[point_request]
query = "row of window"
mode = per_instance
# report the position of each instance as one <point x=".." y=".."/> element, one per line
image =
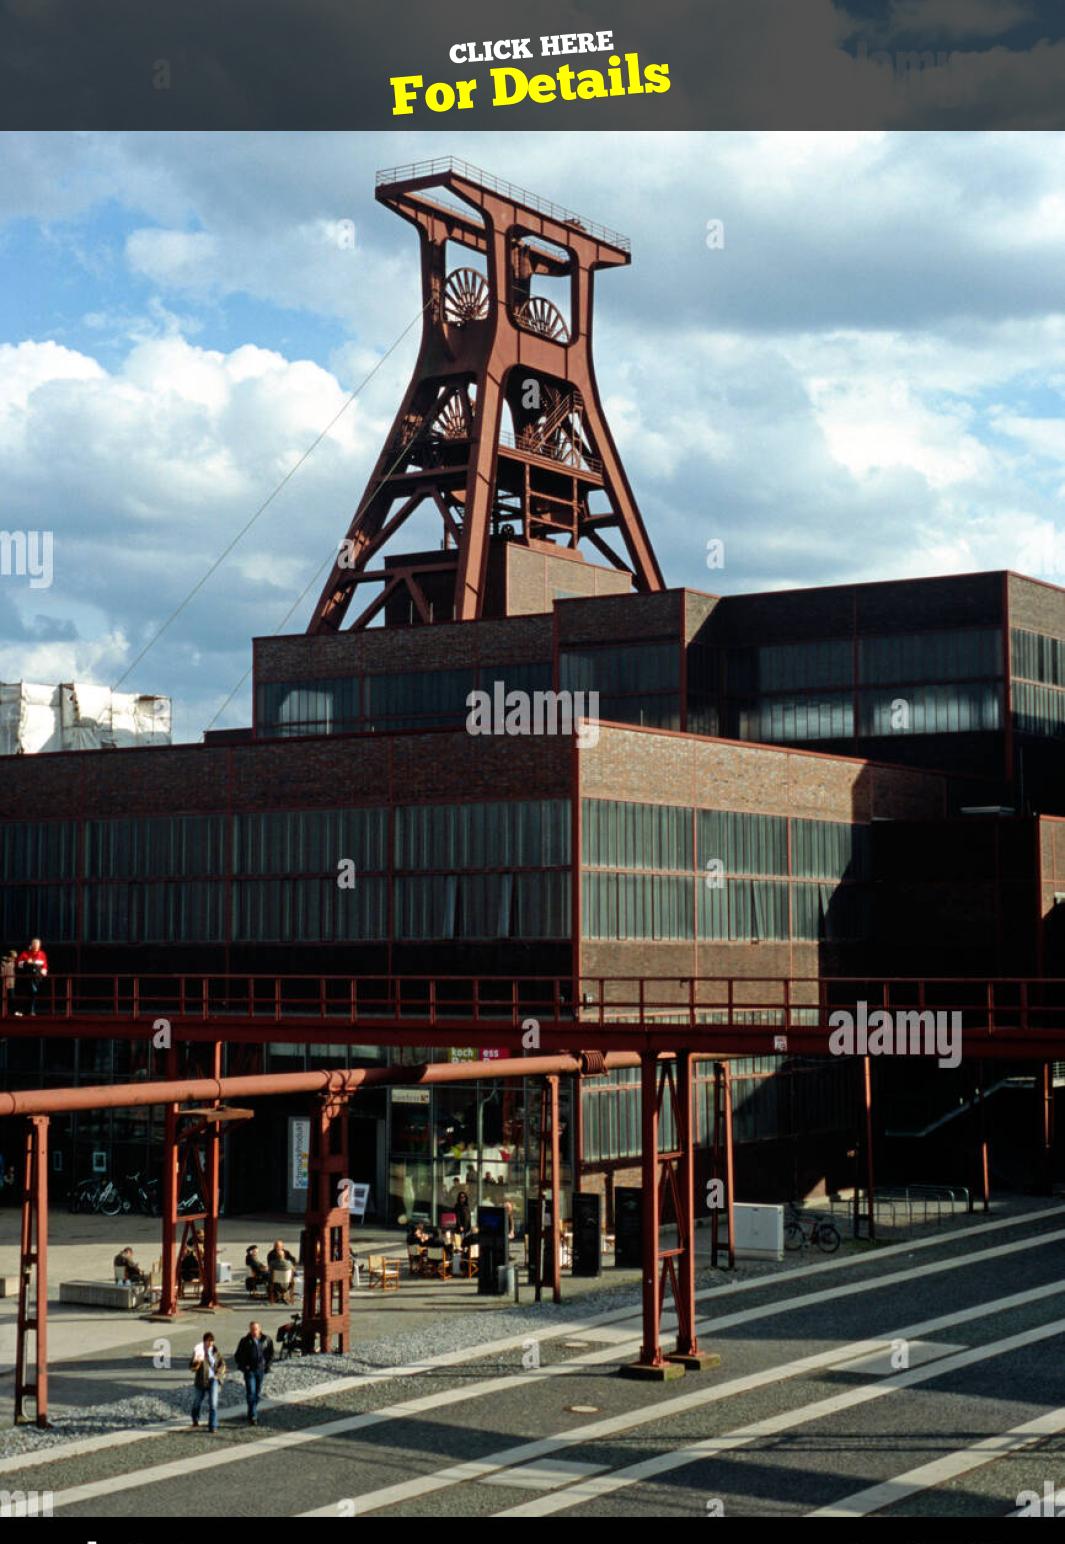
<point x="1039" y="710"/>
<point x="941" y="655"/>
<point x="941" y="709"/>
<point x="514" y="834"/>
<point x="672" y="837"/>
<point x="1036" y="657"/>
<point x="630" y="679"/>
<point x="410" y="699"/>
<point x="473" y="906"/>
<point x="675" y="907"/>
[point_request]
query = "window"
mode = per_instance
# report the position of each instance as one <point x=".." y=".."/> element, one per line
<point x="783" y="720"/>
<point x="328" y="706"/>
<point x="622" y="671"/>
<point x="652" y="836"/>
<point x="790" y="666"/>
<point x="745" y="844"/>
<point x="417" y="699"/>
<point x="951" y="655"/>
<point x="951" y="709"/>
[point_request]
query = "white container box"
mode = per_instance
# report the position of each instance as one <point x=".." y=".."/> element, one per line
<point x="759" y="1231"/>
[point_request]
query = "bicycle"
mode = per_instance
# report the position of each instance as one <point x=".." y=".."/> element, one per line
<point x="806" y="1228"/>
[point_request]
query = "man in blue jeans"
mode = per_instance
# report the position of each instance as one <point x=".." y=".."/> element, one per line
<point x="254" y="1355"/>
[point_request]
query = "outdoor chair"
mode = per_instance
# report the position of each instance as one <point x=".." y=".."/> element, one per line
<point x="436" y="1262"/>
<point x="382" y="1273"/>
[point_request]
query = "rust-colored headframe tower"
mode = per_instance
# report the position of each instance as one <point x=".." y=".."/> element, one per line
<point x="492" y="344"/>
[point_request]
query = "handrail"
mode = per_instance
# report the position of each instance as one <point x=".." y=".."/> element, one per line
<point x="449" y="163"/>
<point x="996" y="1006"/>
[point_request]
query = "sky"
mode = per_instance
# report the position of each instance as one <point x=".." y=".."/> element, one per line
<point x="863" y="378"/>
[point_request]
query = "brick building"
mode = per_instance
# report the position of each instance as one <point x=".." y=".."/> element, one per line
<point x="652" y="849"/>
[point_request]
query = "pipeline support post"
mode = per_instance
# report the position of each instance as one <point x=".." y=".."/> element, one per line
<point x="668" y="1200"/>
<point x="33" y="1276"/>
<point x="722" y="1167"/>
<point x="326" y="1266"/>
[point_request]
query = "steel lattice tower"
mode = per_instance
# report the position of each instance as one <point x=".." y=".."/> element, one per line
<point x="491" y="343"/>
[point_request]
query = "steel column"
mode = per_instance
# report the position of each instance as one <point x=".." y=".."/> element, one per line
<point x="1045" y="1083"/>
<point x="687" y="1343"/>
<point x="668" y="1199"/>
<point x="721" y="1163"/>
<point x="870" y="1180"/>
<point x="33" y="1276"/>
<point x="548" y="1241"/>
<point x="556" y="1192"/>
<point x="651" y="1350"/>
<point x="326" y="1267"/>
<point x="168" y="1299"/>
<point x="209" y="1294"/>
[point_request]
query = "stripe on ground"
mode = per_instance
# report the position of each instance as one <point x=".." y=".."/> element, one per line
<point x="21" y="1461"/>
<point x="876" y="1497"/>
<point x="774" y="1425"/>
<point x="509" y="1458"/>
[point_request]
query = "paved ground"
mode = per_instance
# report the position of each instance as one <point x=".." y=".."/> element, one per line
<point x="923" y="1379"/>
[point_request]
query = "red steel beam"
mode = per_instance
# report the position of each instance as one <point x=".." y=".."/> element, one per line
<point x="33" y="1276"/>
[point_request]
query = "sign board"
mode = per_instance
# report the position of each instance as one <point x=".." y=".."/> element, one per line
<point x="410" y="1096"/>
<point x="299" y="1137"/>
<point x="356" y="1195"/>
<point x="99" y="1163"/>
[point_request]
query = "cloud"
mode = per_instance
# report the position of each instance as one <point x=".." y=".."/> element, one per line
<point x="957" y="18"/>
<point x="868" y="380"/>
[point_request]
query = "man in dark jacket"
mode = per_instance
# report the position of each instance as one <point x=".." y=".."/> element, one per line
<point x="253" y="1356"/>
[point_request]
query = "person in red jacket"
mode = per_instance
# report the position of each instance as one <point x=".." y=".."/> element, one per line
<point x="31" y="967"/>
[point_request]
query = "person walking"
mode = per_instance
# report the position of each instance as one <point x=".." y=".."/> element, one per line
<point x="463" y="1219"/>
<point x="253" y="1356"/>
<point x="209" y="1373"/>
<point x="32" y="968"/>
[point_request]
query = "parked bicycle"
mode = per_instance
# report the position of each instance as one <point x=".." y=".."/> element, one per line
<point x="806" y="1228"/>
<point x="290" y="1338"/>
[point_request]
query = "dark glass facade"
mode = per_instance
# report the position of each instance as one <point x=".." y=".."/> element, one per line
<point x="669" y="872"/>
<point x="933" y="682"/>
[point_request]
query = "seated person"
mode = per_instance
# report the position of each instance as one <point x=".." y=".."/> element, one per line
<point x="125" y="1262"/>
<point x="418" y="1234"/>
<point x="255" y="1268"/>
<point x="279" y="1257"/>
<point x="190" y="1265"/>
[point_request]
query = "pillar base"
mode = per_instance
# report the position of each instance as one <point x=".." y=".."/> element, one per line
<point x="694" y="1361"/>
<point x="666" y="1372"/>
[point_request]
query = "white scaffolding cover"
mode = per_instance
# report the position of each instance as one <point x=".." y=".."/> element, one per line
<point x="76" y="716"/>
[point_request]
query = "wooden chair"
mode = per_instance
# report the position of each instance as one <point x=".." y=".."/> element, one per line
<point x="153" y="1282"/>
<point x="382" y="1273"/>
<point x="415" y="1260"/>
<point x="436" y="1262"/>
<point x="471" y="1261"/>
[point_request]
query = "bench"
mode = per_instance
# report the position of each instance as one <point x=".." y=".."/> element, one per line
<point x="125" y="1295"/>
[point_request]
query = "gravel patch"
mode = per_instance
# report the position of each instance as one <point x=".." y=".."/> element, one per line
<point x="413" y="1348"/>
<point x="409" y="1349"/>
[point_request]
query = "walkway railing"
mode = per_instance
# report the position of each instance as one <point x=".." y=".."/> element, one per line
<point x="1001" y="1006"/>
